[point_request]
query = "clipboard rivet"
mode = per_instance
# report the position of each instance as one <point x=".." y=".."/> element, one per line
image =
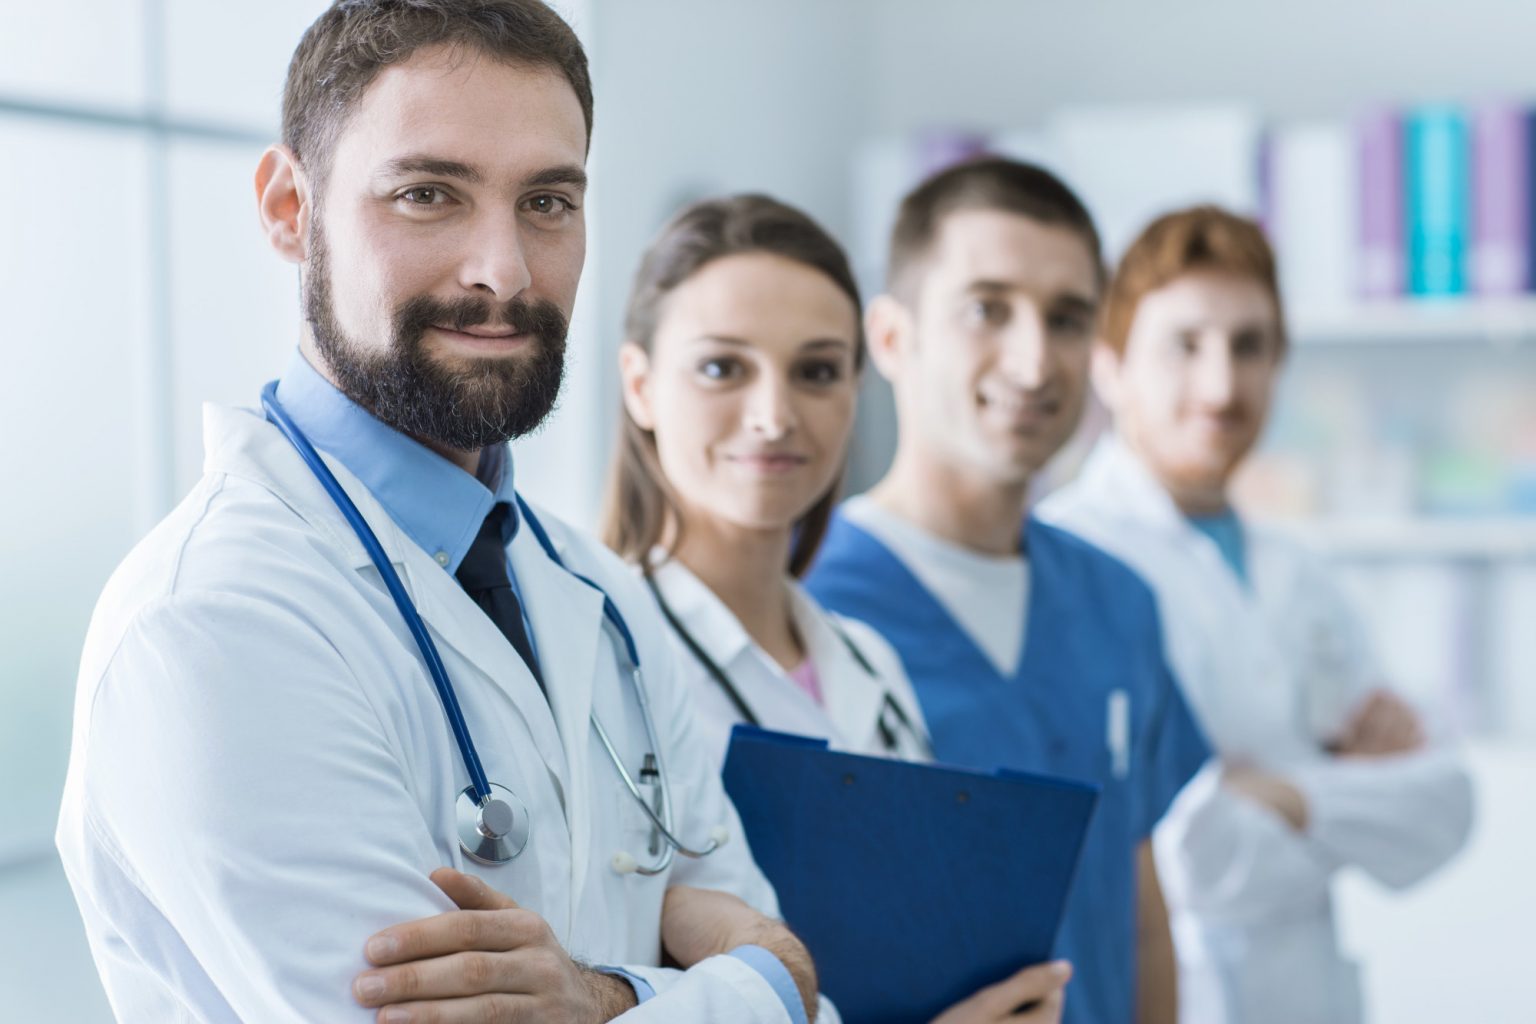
<point x="962" y="797"/>
<point x="848" y="779"/>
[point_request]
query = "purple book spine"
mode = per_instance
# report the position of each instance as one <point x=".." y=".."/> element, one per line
<point x="1499" y="225"/>
<point x="1382" y="253"/>
<point x="941" y="148"/>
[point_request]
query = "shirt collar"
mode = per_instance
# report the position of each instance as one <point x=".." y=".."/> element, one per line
<point x="437" y="504"/>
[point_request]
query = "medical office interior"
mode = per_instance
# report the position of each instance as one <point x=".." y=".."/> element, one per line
<point x="136" y="287"/>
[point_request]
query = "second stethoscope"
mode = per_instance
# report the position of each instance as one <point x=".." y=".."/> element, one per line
<point x="493" y="824"/>
<point x="891" y="714"/>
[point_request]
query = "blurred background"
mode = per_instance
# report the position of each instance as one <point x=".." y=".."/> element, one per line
<point x="1385" y="144"/>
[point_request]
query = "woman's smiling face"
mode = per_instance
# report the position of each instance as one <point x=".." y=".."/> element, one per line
<point x="749" y="387"/>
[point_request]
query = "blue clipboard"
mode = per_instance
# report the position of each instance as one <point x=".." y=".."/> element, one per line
<point x="913" y="885"/>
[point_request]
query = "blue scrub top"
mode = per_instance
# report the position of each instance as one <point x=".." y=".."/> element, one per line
<point x="1092" y="629"/>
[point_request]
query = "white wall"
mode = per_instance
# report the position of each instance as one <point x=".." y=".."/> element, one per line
<point x="1000" y="63"/>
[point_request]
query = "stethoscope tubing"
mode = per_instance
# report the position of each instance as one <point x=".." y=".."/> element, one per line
<point x="613" y="623"/>
<point x="392" y="582"/>
<point x="729" y="688"/>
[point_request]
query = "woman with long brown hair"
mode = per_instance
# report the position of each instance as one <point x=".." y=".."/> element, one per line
<point x="740" y="374"/>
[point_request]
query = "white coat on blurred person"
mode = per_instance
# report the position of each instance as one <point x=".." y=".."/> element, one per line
<point x="1319" y="767"/>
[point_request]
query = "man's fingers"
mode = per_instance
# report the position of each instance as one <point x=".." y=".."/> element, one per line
<point x="1046" y="1011"/>
<point x="470" y="892"/>
<point x="1032" y="984"/>
<point x="454" y="932"/>
<point x="459" y="975"/>
<point x="472" y="1010"/>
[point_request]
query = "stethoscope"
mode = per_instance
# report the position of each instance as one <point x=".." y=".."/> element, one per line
<point x="493" y="824"/>
<point x="890" y="710"/>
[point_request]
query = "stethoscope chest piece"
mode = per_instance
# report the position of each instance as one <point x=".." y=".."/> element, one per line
<point x="493" y="832"/>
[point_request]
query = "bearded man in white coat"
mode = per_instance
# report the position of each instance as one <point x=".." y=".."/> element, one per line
<point x="1320" y="766"/>
<point x="261" y="817"/>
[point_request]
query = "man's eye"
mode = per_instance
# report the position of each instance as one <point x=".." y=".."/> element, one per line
<point x="550" y="206"/>
<point x="990" y="312"/>
<point x="720" y="369"/>
<point x="424" y="195"/>
<point x="1249" y="346"/>
<point x="1068" y="323"/>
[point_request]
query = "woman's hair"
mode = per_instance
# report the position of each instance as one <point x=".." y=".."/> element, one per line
<point x="1199" y="238"/>
<point x="640" y="504"/>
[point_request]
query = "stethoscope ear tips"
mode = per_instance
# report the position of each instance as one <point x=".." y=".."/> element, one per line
<point x="624" y="863"/>
<point x="719" y="835"/>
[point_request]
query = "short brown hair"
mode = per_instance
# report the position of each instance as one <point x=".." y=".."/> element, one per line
<point x="639" y="504"/>
<point x="1179" y="243"/>
<point x="348" y="45"/>
<point x="988" y="183"/>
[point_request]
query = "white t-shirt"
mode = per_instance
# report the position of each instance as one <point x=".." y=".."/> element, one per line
<point x="988" y="595"/>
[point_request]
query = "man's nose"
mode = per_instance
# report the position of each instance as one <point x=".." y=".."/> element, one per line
<point x="1026" y="354"/>
<point x="495" y="264"/>
<point x="1216" y="374"/>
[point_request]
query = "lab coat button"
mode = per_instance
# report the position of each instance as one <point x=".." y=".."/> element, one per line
<point x="442" y="558"/>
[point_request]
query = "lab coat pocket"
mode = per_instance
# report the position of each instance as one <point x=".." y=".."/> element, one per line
<point x="632" y="840"/>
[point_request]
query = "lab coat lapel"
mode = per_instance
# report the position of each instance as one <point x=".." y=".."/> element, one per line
<point x="242" y="443"/>
<point x="567" y="619"/>
<point x="854" y="698"/>
<point x="457" y="622"/>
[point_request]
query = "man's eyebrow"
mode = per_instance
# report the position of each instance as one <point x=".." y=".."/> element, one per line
<point x="984" y="285"/>
<point x="566" y="174"/>
<point x="437" y="167"/>
<point x="1070" y="300"/>
<point x="1076" y="303"/>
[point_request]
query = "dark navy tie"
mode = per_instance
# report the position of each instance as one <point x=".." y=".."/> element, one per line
<point x="483" y="575"/>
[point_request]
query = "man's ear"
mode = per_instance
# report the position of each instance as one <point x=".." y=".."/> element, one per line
<point x="888" y="326"/>
<point x="1105" y="370"/>
<point x="635" y="384"/>
<point x="284" y="203"/>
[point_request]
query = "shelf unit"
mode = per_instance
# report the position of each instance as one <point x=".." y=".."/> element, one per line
<point x="1477" y="541"/>
<point x="1497" y="323"/>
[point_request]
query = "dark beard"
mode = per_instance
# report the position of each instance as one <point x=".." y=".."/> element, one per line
<point x="486" y="402"/>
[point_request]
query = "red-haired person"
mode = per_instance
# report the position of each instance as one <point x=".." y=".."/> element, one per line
<point x="1321" y="766"/>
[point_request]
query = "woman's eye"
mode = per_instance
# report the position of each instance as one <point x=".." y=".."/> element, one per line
<point x="820" y="372"/>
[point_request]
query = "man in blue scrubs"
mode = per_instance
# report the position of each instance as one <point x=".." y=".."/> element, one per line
<point x="1028" y="647"/>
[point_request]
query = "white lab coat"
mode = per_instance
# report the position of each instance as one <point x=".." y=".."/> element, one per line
<point x="855" y="698"/>
<point x="1273" y="670"/>
<point x="262" y="776"/>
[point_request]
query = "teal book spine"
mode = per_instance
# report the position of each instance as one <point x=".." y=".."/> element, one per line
<point x="1438" y="197"/>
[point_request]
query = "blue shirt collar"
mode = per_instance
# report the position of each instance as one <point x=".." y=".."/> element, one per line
<point x="437" y="504"/>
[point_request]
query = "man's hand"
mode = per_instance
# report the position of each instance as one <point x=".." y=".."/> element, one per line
<point x="701" y="923"/>
<point x="1272" y="791"/>
<point x="1383" y="724"/>
<point x="489" y="960"/>
<point x="1040" y="991"/>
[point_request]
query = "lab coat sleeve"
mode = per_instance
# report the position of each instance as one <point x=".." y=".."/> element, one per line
<point x="720" y="987"/>
<point x="239" y="777"/>
<point x="1396" y="818"/>
<point x="1220" y="853"/>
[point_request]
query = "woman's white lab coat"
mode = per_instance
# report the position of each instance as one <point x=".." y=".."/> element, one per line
<point x="1273" y="669"/>
<point x="262" y="776"/>
<point x="856" y="699"/>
